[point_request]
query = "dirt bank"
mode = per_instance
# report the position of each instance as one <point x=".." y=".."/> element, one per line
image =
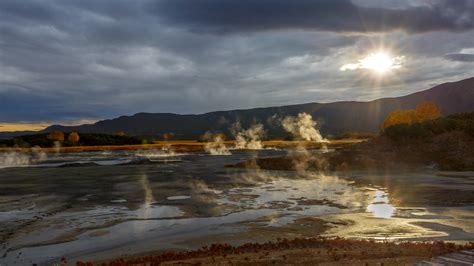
<point x="301" y="251"/>
<point x="451" y="151"/>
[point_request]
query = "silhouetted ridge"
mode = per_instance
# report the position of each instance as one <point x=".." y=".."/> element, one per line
<point x="337" y="117"/>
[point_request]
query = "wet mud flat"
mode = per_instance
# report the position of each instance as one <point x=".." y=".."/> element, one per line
<point x="185" y="201"/>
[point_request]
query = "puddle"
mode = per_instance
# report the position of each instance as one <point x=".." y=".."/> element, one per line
<point x="154" y="153"/>
<point x="118" y="201"/>
<point x="380" y="206"/>
<point x="283" y="193"/>
<point x="178" y="197"/>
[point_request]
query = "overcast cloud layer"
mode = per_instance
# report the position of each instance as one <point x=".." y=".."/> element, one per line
<point x="64" y="60"/>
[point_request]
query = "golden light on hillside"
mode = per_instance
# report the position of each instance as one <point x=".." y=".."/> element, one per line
<point x="22" y="126"/>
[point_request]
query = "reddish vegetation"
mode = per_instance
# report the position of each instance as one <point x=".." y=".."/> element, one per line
<point x="314" y="249"/>
<point x="56" y="135"/>
<point x="73" y="137"/>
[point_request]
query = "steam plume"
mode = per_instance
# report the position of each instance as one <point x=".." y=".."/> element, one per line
<point x="215" y="144"/>
<point x="166" y="151"/>
<point x="57" y="146"/>
<point x="250" y="138"/>
<point x="302" y="126"/>
<point x="19" y="159"/>
<point x="149" y="199"/>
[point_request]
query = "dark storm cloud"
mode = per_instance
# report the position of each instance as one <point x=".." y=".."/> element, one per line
<point x="28" y="10"/>
<point x="460" y="57"/>
<point x="32" y="104"/>
<point x="223" y="16"/>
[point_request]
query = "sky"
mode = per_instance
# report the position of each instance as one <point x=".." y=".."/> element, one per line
<point x="78" y="61"/>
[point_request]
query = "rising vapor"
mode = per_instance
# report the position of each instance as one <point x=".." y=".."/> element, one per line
<point x="303" y="127"/>
<point x="250" y="138"/>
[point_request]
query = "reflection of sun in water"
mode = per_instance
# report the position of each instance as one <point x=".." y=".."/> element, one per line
<point x="379" y="62"/>
<point x="380" y="206"/>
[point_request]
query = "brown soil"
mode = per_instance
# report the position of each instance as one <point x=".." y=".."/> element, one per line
<point x="300" y="251"/>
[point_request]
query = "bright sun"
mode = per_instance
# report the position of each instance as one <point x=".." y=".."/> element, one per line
<point x="378" y="62"/>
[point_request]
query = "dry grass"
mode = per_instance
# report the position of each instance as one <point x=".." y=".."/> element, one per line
<point x="184" y="146"/>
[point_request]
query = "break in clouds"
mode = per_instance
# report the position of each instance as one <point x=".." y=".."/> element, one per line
<point x="65" y="61"/>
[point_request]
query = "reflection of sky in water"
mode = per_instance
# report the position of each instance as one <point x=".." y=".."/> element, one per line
<point x="178" y="197"/>
<point x="291" y="191"/>
<point x="380" y="206"/>
<point x="291" y="199"/>
<point x="277" y="202"/>
<point x="105" y="158"/>
<point x="271" y="198"/>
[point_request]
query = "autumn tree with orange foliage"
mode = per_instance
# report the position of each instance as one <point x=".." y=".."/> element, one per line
<point x="424" y="111"/>
<point x="168" y="136"/>
<point x="56" y="136"/>
<point x="73" y="137"/>
<point x="428" y="111"/>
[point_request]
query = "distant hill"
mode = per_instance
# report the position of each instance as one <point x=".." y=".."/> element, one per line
<point x="11" y="134"/>
<point x="86" y="139"/>
<point x="335" y="118"/>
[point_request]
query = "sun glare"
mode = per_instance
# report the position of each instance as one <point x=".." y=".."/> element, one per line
<point x="378" y="62"/>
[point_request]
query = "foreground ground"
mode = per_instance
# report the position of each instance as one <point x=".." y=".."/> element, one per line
<point x="95" y="212"/>
<point x="301" y="251"/>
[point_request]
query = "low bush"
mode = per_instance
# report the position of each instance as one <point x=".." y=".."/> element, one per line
<point x="463" y="122"/>
<point x="85" y="139"/>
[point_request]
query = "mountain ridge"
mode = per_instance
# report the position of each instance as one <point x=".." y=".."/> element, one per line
<point x="334" y="117"/>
